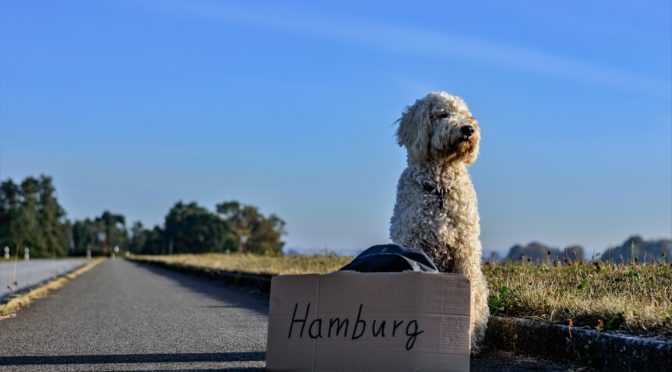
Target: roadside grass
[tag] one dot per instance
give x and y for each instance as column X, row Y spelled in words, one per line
column 9, row 309
column 635, row 298
column 254, row 264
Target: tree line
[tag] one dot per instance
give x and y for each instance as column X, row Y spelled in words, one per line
column 634, row 249
column 31, row 216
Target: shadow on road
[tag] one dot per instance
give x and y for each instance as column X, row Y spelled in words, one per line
column 232, row 296
column 132, row 358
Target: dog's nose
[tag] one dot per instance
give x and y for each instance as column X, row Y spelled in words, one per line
column 467, row 130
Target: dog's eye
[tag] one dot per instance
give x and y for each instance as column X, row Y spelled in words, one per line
column 440, row 115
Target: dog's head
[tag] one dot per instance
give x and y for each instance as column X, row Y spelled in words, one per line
column 439, row 128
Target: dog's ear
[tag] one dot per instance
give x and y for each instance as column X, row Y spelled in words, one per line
column 415, row 130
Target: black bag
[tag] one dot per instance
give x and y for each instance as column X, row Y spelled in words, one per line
column 391, row 258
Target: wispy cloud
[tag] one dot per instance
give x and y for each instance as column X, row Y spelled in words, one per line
column 403, row 40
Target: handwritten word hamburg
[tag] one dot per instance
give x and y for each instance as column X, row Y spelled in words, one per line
column 326, row 328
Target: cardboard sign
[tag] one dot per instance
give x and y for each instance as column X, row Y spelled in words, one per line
column 347, row 321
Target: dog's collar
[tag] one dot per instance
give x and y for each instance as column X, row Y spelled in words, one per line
column 430, row 186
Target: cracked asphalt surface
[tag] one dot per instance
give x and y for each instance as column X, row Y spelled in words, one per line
column 129, row 316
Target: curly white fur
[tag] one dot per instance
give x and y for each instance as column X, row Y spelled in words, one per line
column 436, row 207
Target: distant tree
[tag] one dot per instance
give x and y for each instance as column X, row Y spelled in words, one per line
column 574, row 253
column 154, row 242
column 239, row 219
column 100, row 234
column 26, row 228
column 192, row 228
column 635, row 247
column 69, row 239
column 262, row 235
column 30, row 216
column 114, row 230
column 10, row 204
column 86, row 234
column 26, row 232
column 138, row 237
column 266, row 234
column 51, row 217
column 536, row 252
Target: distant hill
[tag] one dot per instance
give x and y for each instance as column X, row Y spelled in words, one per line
column 536, row 252
column 643, row 250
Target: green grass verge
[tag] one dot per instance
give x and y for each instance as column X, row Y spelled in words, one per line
column 632, row 298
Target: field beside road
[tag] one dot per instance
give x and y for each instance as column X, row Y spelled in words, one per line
column 633, row 298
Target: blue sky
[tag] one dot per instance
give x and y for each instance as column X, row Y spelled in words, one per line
column 290, row 106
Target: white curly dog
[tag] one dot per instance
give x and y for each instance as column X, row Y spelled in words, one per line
column 436, row 208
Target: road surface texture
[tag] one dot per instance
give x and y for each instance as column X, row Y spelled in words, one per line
column 20, row 274
column 129, row 316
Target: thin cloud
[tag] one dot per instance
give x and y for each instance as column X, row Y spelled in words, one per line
column 416, row 42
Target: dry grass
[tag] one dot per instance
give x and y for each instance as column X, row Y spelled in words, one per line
column 248, row 263
column 632, row 298
column 15, row 304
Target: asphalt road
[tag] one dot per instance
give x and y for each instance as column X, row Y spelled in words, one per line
column 127, row 316
column 17, row 275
